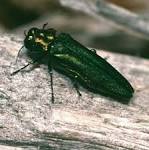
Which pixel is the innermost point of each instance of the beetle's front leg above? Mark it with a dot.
(15, 72)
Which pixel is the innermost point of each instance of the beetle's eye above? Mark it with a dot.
(33, 31)
(30, 37)
(50, 37)
(41, 35)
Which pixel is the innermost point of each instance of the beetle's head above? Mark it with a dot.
(37, 40)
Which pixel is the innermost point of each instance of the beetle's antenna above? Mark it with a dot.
(44, 25)
(20, 49)
(25, 33)
(15, 72)
(18, 54)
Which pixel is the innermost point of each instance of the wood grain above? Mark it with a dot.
(29, 120)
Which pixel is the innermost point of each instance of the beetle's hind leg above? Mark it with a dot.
(75, 84)
(93, 50)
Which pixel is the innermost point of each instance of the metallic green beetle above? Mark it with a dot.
(67, 56)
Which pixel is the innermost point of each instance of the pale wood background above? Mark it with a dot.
(28, 120)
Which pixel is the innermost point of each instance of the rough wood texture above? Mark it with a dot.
(29, 120)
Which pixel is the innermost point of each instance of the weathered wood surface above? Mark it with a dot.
(29, 120)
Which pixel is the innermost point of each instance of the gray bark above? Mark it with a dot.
(29, 120)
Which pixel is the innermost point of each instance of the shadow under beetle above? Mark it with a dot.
(67, 56)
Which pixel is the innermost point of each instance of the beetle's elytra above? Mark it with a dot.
(67, 56)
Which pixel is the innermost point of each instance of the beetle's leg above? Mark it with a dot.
(15, 72)
(106, 58)
(75, 84)
(51, 82)
(93, 50)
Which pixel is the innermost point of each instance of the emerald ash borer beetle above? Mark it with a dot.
(83, 66)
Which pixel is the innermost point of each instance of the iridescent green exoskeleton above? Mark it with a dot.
(67, 56)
